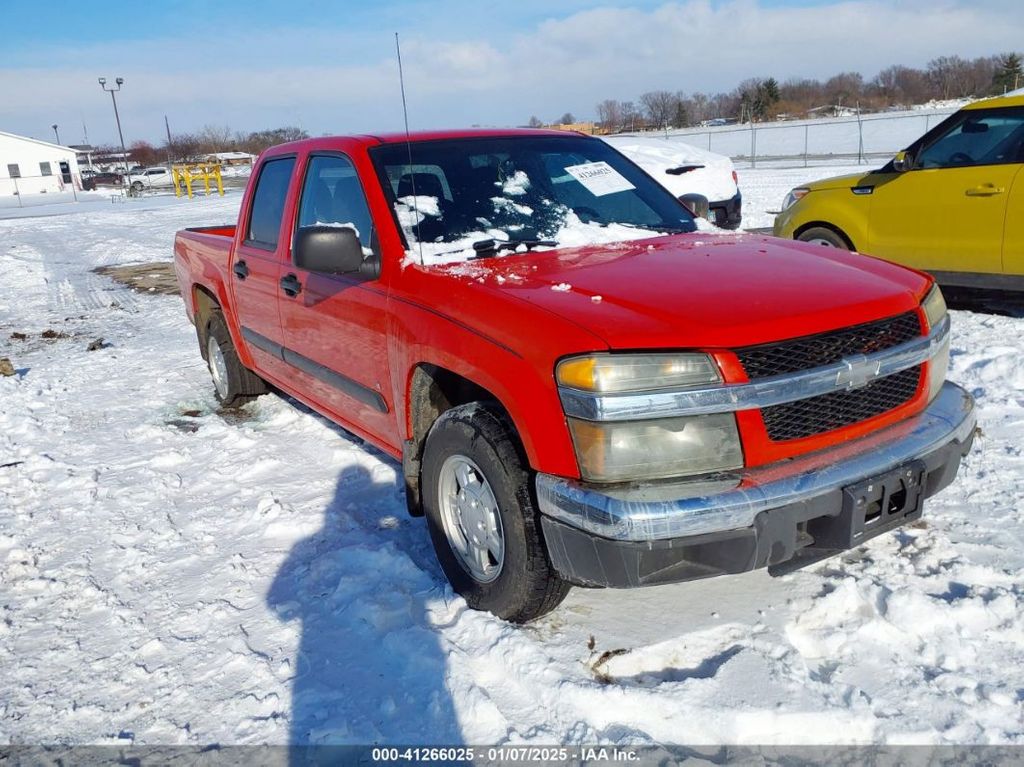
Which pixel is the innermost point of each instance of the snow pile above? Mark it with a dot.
(173, 573)
(516, 184)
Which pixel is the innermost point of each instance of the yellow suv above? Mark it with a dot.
(951, 204)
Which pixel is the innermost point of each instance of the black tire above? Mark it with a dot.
(825, 237)
(137, 188)
(238, 384)
(527, 586)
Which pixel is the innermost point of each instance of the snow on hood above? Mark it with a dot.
(657, 155)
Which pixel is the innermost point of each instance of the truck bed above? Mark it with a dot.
(201, 256)
(223, 230)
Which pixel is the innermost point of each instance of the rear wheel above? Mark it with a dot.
(482, 518)
(820, 235)
(233, 383)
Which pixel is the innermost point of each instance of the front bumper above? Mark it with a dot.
(663, 532)
(728, 214)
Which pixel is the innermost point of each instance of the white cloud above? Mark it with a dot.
(348, 83)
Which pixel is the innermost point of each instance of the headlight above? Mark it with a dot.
(793, 195)
(656, 449)
(611, 373)
(934, 306)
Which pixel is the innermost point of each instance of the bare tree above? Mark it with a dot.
(698, 106)
(609, 114)
(761, 98)
(535, 122)
(184, 147)
(216, 138)
(256, 142)
(725, 105)
(567, 119)
(660, 107)
(844, 89)
(950, 76)
(144, 153)
(632, 119)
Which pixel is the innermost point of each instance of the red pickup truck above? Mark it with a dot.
(581, 384)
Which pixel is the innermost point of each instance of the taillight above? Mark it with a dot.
(735, 178)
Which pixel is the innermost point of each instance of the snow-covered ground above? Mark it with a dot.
(171, 573)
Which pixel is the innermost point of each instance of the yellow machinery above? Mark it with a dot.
(185, 176)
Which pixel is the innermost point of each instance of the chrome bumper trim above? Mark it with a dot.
(849, 373)
(656, 511)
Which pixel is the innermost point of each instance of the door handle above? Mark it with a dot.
(241, 270)
(985, 190)
(290, 285)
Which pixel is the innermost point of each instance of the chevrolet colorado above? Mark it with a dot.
(581, 386)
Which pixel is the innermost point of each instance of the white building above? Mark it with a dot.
(31, 166)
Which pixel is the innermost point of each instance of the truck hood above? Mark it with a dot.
(700, 290)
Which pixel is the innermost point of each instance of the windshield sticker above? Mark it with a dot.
(599, 178)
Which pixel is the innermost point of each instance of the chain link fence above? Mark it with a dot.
(26, 190)
(858, 139)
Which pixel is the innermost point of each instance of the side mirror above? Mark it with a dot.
(902, 162)
(333, 250)
(697, 204)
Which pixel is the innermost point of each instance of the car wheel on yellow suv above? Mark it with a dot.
(819, 235)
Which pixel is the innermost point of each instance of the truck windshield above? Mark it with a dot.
(480, 197)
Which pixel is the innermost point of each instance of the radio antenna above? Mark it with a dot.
(408, 146)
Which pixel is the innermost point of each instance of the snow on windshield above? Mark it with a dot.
(572, 231)
(511, 220)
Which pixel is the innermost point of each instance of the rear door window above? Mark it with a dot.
(268, 203)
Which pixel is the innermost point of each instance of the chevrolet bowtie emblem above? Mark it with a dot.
(858, 372)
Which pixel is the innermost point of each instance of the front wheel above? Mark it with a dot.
(482, 518)
(820, 235)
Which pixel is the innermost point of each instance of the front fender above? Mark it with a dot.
(524, 385)
(838, 209)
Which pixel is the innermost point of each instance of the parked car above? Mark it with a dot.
(685, 170)
(952, 203)
(151, 178)
(97, 180)
(579, 390)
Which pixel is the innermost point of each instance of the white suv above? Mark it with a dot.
(151, 178)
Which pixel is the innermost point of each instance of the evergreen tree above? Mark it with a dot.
(1009, 74)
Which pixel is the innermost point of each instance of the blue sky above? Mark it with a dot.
(330, 67)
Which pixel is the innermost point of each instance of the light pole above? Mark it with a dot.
(124, 152)
(55, 132)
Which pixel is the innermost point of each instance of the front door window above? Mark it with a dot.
(980, 137)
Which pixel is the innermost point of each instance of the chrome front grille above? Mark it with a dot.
(834, 410)
(827, 412)
(814, 351)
